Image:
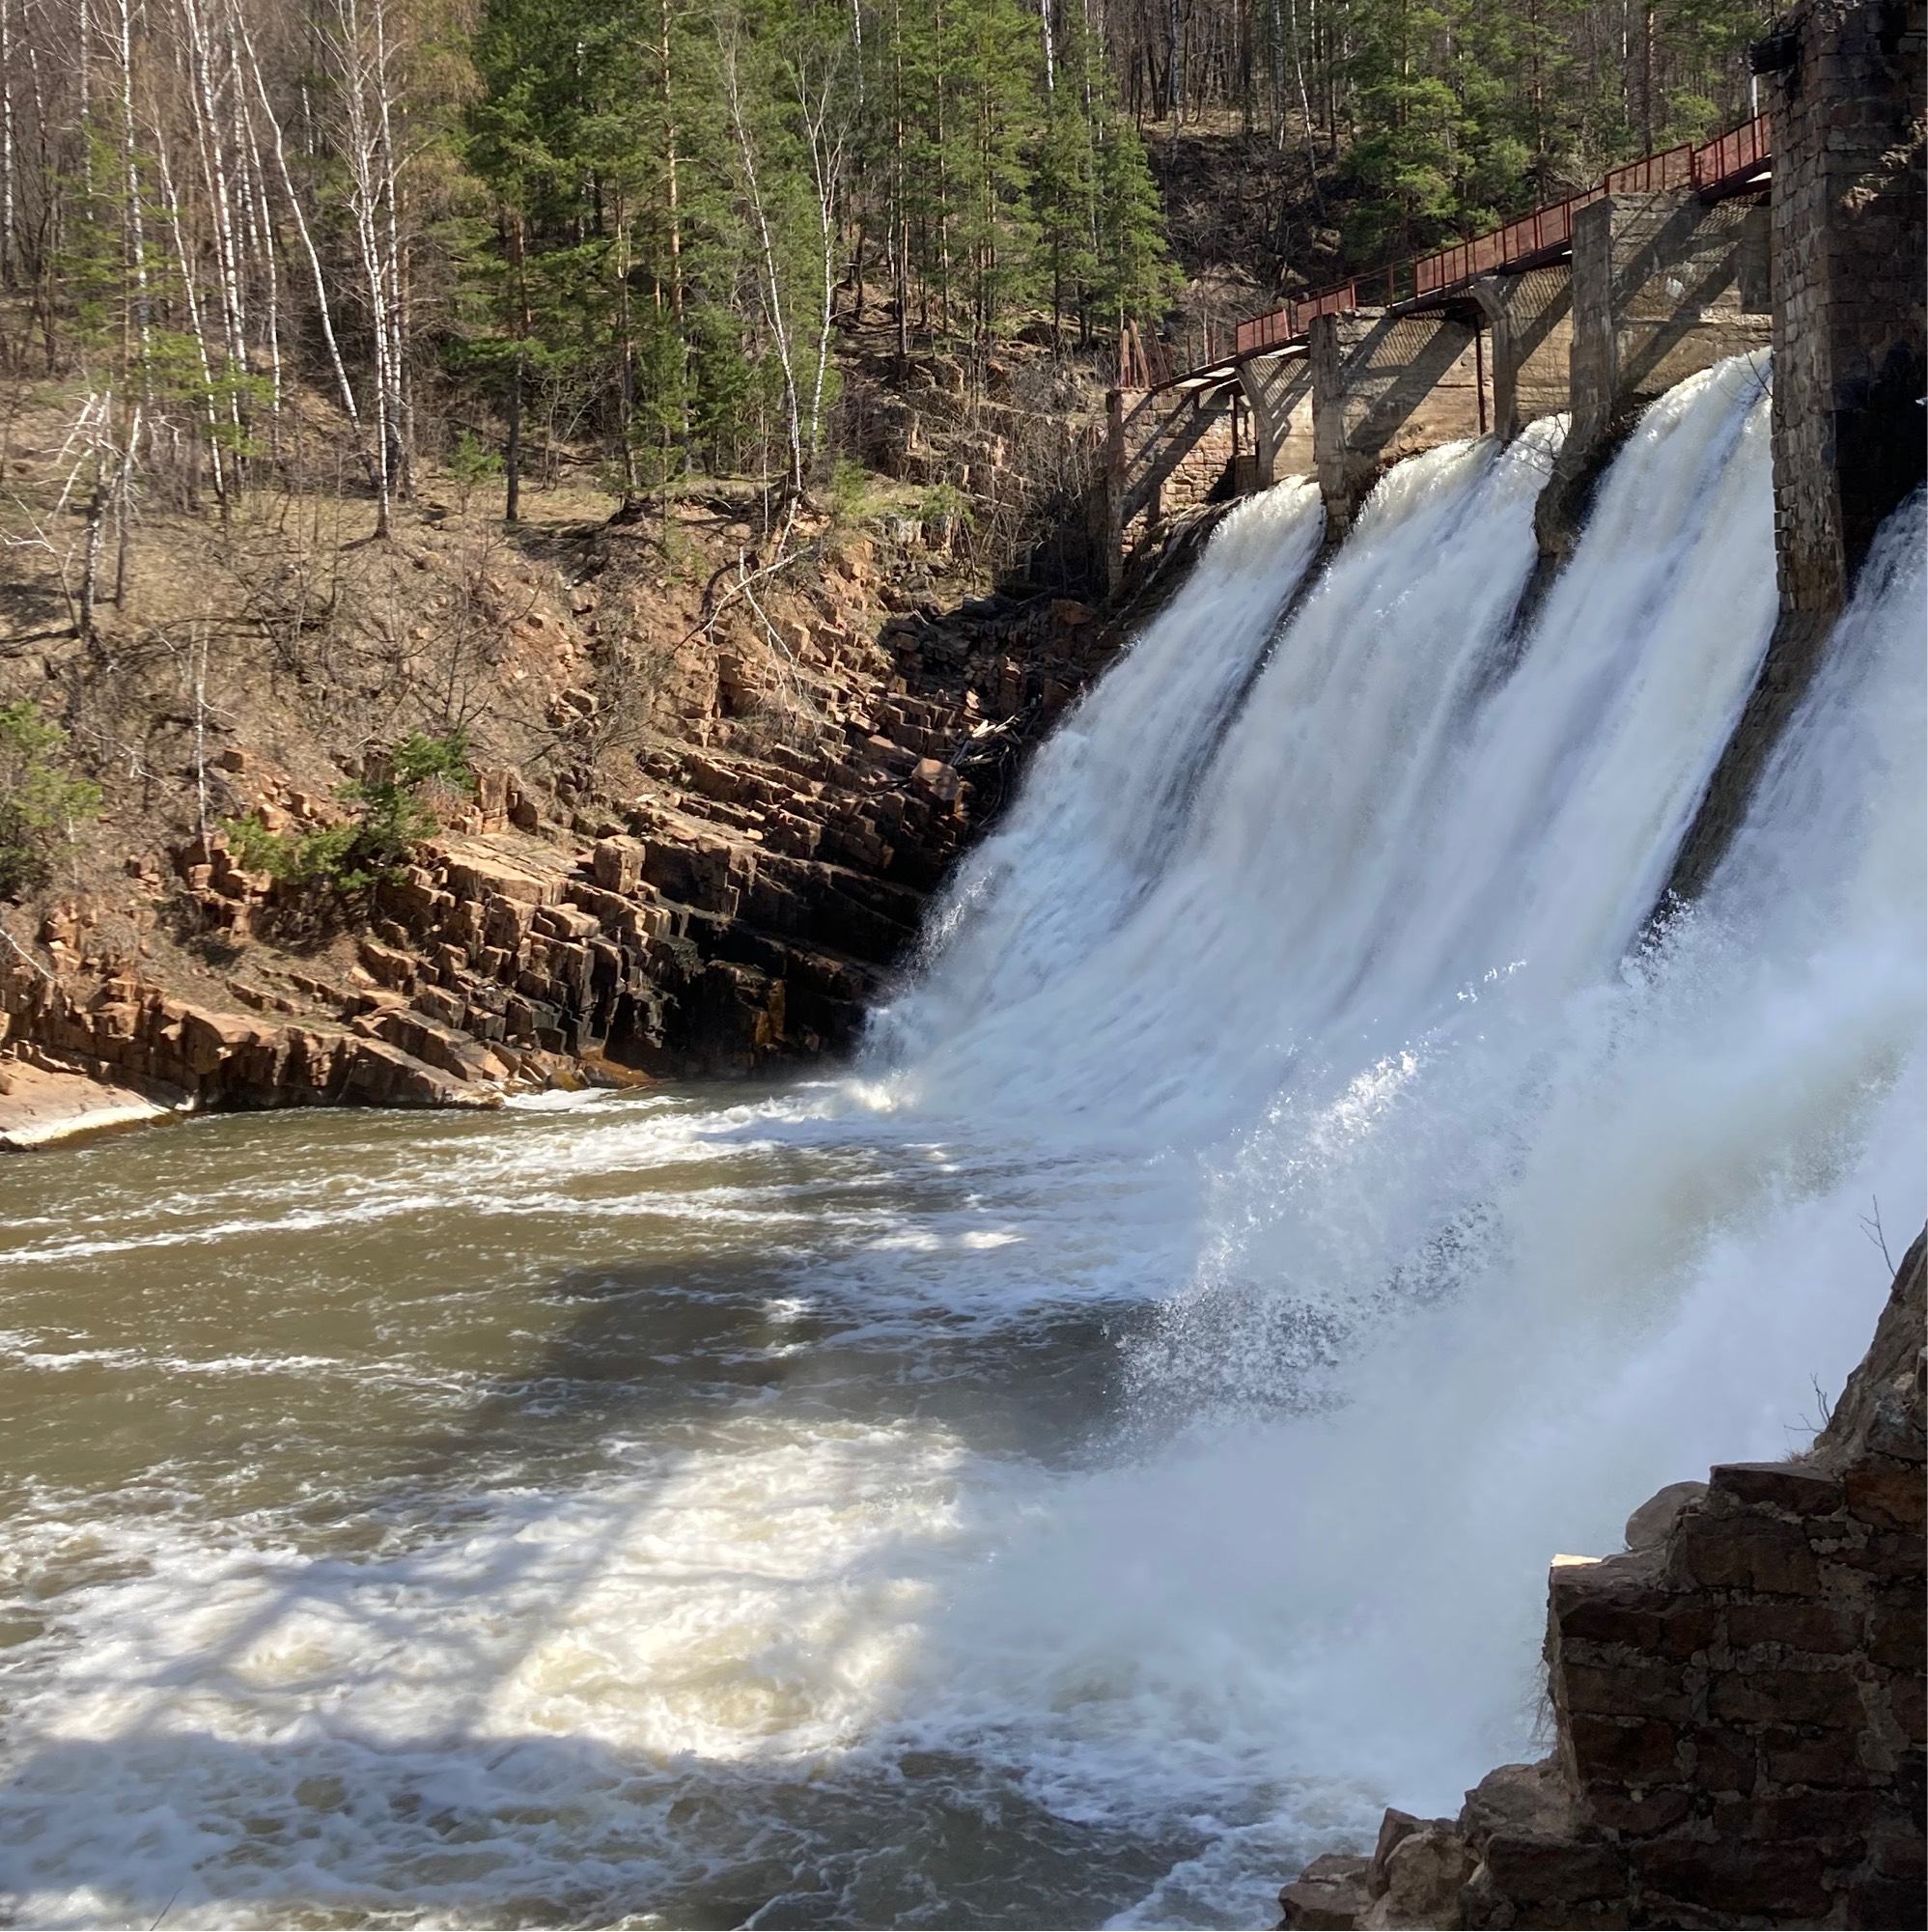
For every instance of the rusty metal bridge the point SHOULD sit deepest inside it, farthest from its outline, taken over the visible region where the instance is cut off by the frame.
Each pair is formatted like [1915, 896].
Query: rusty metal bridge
[1409, 344]
[1738, 162]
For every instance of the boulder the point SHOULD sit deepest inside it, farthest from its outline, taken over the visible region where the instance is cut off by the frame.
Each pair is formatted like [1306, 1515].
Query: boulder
[1422, 1875]
[1329, 1895]
[208, 1039]
[475, 872]
[937, 780]
[616, 865]
[566, 922]
[1648, 1526]
[1526, 1799]
[384, 1076]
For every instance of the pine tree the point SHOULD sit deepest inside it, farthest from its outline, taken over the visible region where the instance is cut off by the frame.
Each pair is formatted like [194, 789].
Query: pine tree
[995, 76]
[1064, 187]
[1136, 276]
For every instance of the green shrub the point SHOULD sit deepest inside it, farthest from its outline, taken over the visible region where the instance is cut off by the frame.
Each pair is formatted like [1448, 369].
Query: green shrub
[946, 504]
[38, 804]
[418, 759]
[391, 818]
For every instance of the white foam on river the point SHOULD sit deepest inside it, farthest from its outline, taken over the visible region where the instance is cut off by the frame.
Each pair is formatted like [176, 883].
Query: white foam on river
[1095, 1458]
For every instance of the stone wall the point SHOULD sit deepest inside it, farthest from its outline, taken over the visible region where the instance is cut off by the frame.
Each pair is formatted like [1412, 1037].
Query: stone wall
[1529, 320]
[1850, 338]
[1168, 452]
[1203, 473]
[1278, 392]
[1386, 386]
[1664, 285]
[1738, 1702]
[1847, 222]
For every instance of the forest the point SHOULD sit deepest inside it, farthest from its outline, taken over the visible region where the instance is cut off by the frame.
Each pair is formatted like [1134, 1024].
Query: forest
[653, 225]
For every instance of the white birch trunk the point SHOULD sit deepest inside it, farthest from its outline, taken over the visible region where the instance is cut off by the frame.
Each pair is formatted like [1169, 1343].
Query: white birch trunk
[826, 162]
[771, 286]
[361, 142]
[9, 218]
[324, 312]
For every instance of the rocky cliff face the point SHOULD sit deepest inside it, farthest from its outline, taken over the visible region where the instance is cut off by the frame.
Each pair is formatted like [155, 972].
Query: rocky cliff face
[726, 897]
[1738, 1706]
[727, 746]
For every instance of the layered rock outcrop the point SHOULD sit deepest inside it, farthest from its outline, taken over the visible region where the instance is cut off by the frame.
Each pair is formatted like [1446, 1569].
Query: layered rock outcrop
[1739, 1704]
[126, 1033]
[739, 910]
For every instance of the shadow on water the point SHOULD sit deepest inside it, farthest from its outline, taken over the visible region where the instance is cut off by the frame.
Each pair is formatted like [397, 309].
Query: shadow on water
[600, 1839]
[331, 1822]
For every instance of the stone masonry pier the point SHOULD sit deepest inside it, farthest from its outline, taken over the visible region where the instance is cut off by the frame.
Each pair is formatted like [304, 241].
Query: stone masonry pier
[1529, 319]
[1278, 392]
[1662, 286]
[1737, 1708]
[1844, 80]
[1384, 386]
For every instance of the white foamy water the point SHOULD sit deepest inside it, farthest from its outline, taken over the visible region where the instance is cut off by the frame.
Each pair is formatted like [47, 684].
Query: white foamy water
[1398, 812]
[1109, 794]
[1094, 1460]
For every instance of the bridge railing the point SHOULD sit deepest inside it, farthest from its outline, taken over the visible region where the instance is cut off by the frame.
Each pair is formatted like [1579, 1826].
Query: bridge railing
[1543, 232]
[1729, 158]
[1290, 323]
[1654, 174]
[1742, 152]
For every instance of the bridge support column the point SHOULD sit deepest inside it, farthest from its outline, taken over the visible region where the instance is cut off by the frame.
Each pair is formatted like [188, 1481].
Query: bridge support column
[1847, 222]
[1113, 536]
[1663, 285]
[1278, 389]
[1166, 451]
[1843, 83]
[1384, 386]
[1529, 318]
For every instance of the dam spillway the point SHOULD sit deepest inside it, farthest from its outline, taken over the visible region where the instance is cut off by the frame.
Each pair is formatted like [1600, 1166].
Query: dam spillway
[1110, 1442]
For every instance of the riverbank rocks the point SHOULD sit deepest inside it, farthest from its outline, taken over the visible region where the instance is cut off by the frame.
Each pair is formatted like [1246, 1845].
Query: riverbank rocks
[42, 1104]
[739, 911]
[127, 1033]
[1415, 1872]
[1329, 1895]
[1738, 1702]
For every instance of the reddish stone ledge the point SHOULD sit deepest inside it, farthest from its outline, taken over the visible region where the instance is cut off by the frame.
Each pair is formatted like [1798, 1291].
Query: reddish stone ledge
[121, 1033]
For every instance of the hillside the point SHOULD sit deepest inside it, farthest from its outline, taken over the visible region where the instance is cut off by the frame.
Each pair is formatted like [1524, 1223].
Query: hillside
[716, 765]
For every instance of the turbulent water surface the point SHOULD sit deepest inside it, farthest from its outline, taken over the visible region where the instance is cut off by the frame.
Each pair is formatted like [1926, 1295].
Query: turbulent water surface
[1098, 1451]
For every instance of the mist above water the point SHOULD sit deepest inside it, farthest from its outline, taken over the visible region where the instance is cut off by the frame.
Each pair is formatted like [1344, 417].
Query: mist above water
[1095, 1456]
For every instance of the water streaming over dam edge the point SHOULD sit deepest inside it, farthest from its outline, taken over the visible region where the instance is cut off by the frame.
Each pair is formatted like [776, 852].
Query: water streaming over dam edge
[1209, 1323]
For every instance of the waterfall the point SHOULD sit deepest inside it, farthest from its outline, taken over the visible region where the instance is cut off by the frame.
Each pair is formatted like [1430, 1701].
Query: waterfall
[1360, 640]
[1498, 1229]
[1498, 1286]
[1103, 1449]
[1411, 800]
[1108, 796]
